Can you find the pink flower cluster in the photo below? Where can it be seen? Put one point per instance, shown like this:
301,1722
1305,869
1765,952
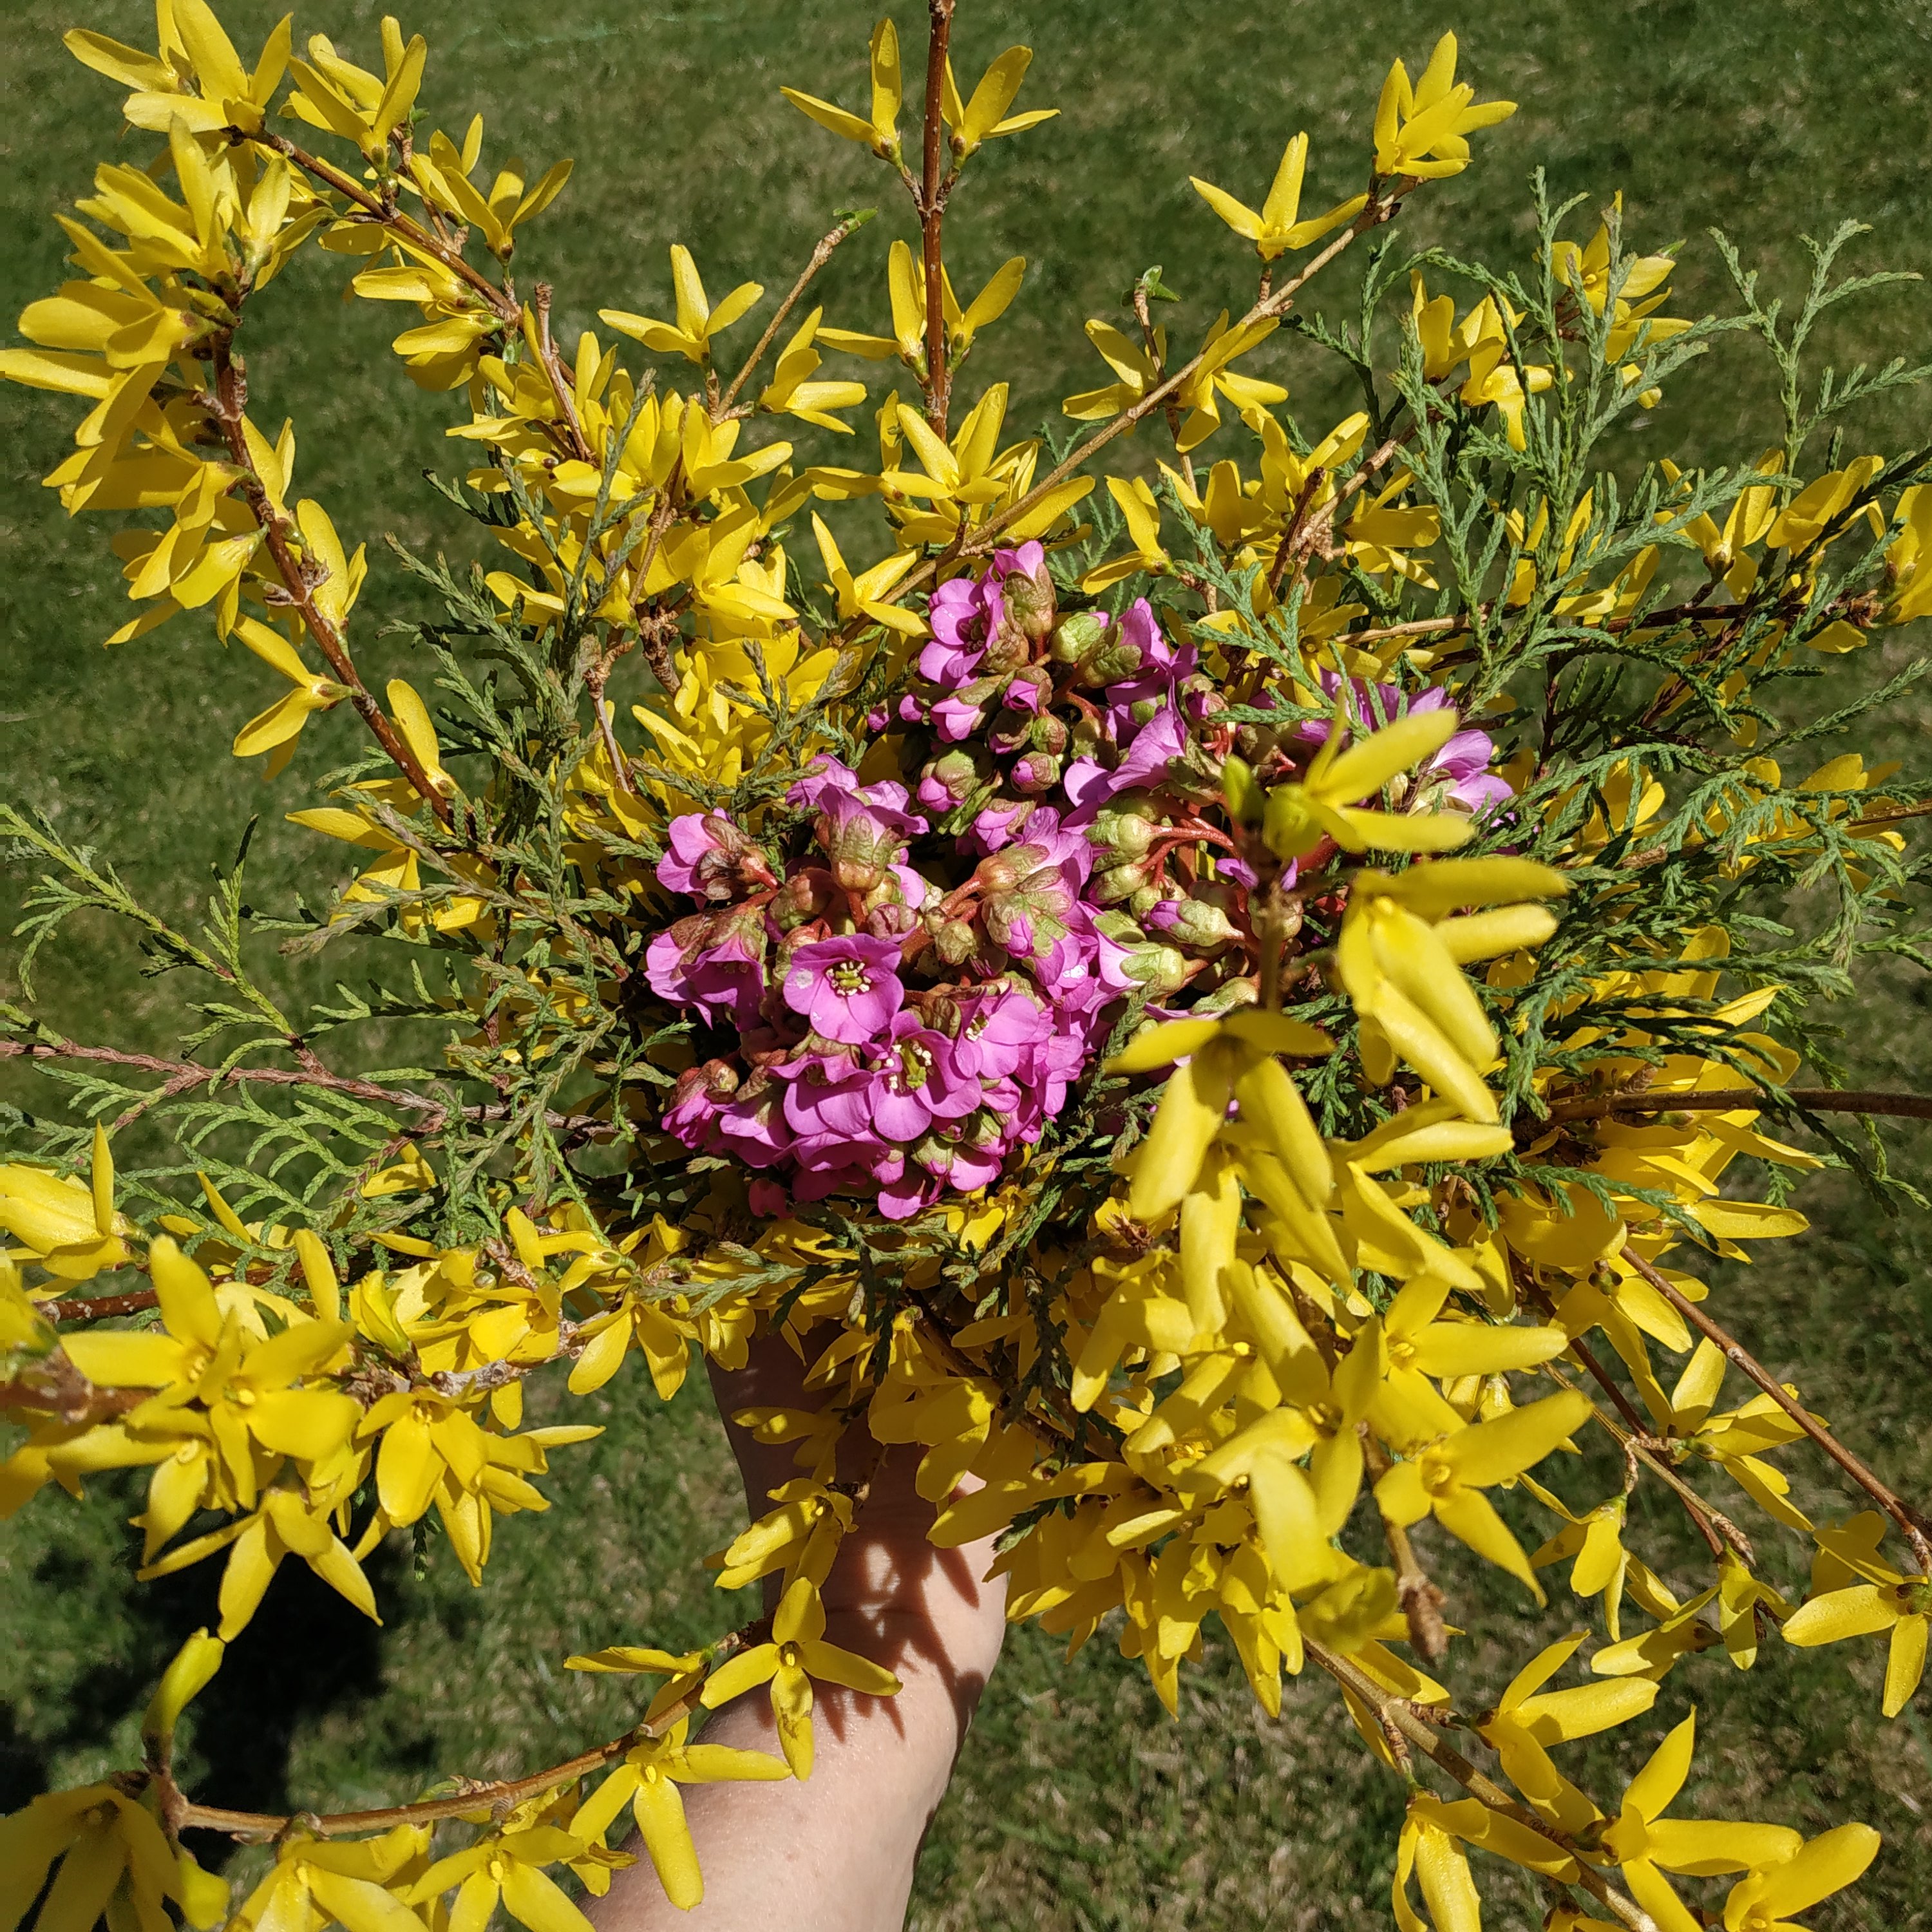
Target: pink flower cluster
892,1038
898,990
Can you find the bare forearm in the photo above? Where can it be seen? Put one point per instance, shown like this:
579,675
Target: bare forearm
835,1853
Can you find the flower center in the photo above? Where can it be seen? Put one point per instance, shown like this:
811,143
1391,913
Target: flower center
788,1656
849,976
914,1069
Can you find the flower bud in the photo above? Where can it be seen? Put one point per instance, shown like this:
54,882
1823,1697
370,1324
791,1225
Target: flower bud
1131,834
955,940
720,1079
1031,689
1255,743
1000,871
860,846
1048,734
1030,603
1159,969
1035,771
805,896
1075,634
887,914
1012,734
711,858
716,1081
1007,651
1193,923
1119,882
936,1008
950,779
1113,662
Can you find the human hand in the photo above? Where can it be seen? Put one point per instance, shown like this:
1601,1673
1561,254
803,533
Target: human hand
836,1854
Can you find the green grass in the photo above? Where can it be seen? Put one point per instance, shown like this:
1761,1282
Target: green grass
1077,1804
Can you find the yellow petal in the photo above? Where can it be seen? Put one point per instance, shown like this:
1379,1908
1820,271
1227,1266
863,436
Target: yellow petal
1838,1614
1184,1127
1271,1100
1372,762
1447,1888
886,82
1471,1517
1492,1452
535,1898
1284,194
1275,1032
1829,1864
837,119
193,1667
829,1662
1451,1348
1242,219
1905,1665
791,1706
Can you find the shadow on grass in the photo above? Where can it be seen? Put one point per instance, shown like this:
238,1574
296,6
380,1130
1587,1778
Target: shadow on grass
307,1654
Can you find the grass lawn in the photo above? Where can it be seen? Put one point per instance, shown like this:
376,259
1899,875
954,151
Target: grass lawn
1077,1803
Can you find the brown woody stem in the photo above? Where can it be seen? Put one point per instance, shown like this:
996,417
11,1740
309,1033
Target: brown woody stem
1397,1714
60,1390
932,214
1715,1528
1730,1099
1455,624
562,385
1382,208
820,255
231,389
498,1797
184,1074
1909,1522
372,205
1421,1601
1904,812
98,1307
1712,1524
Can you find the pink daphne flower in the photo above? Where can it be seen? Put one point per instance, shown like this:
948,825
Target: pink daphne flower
911,1083
710,859
847,988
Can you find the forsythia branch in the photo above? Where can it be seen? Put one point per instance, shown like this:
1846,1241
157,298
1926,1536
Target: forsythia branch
500,1796
1909,1519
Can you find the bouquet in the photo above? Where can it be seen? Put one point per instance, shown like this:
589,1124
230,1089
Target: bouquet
1222,980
